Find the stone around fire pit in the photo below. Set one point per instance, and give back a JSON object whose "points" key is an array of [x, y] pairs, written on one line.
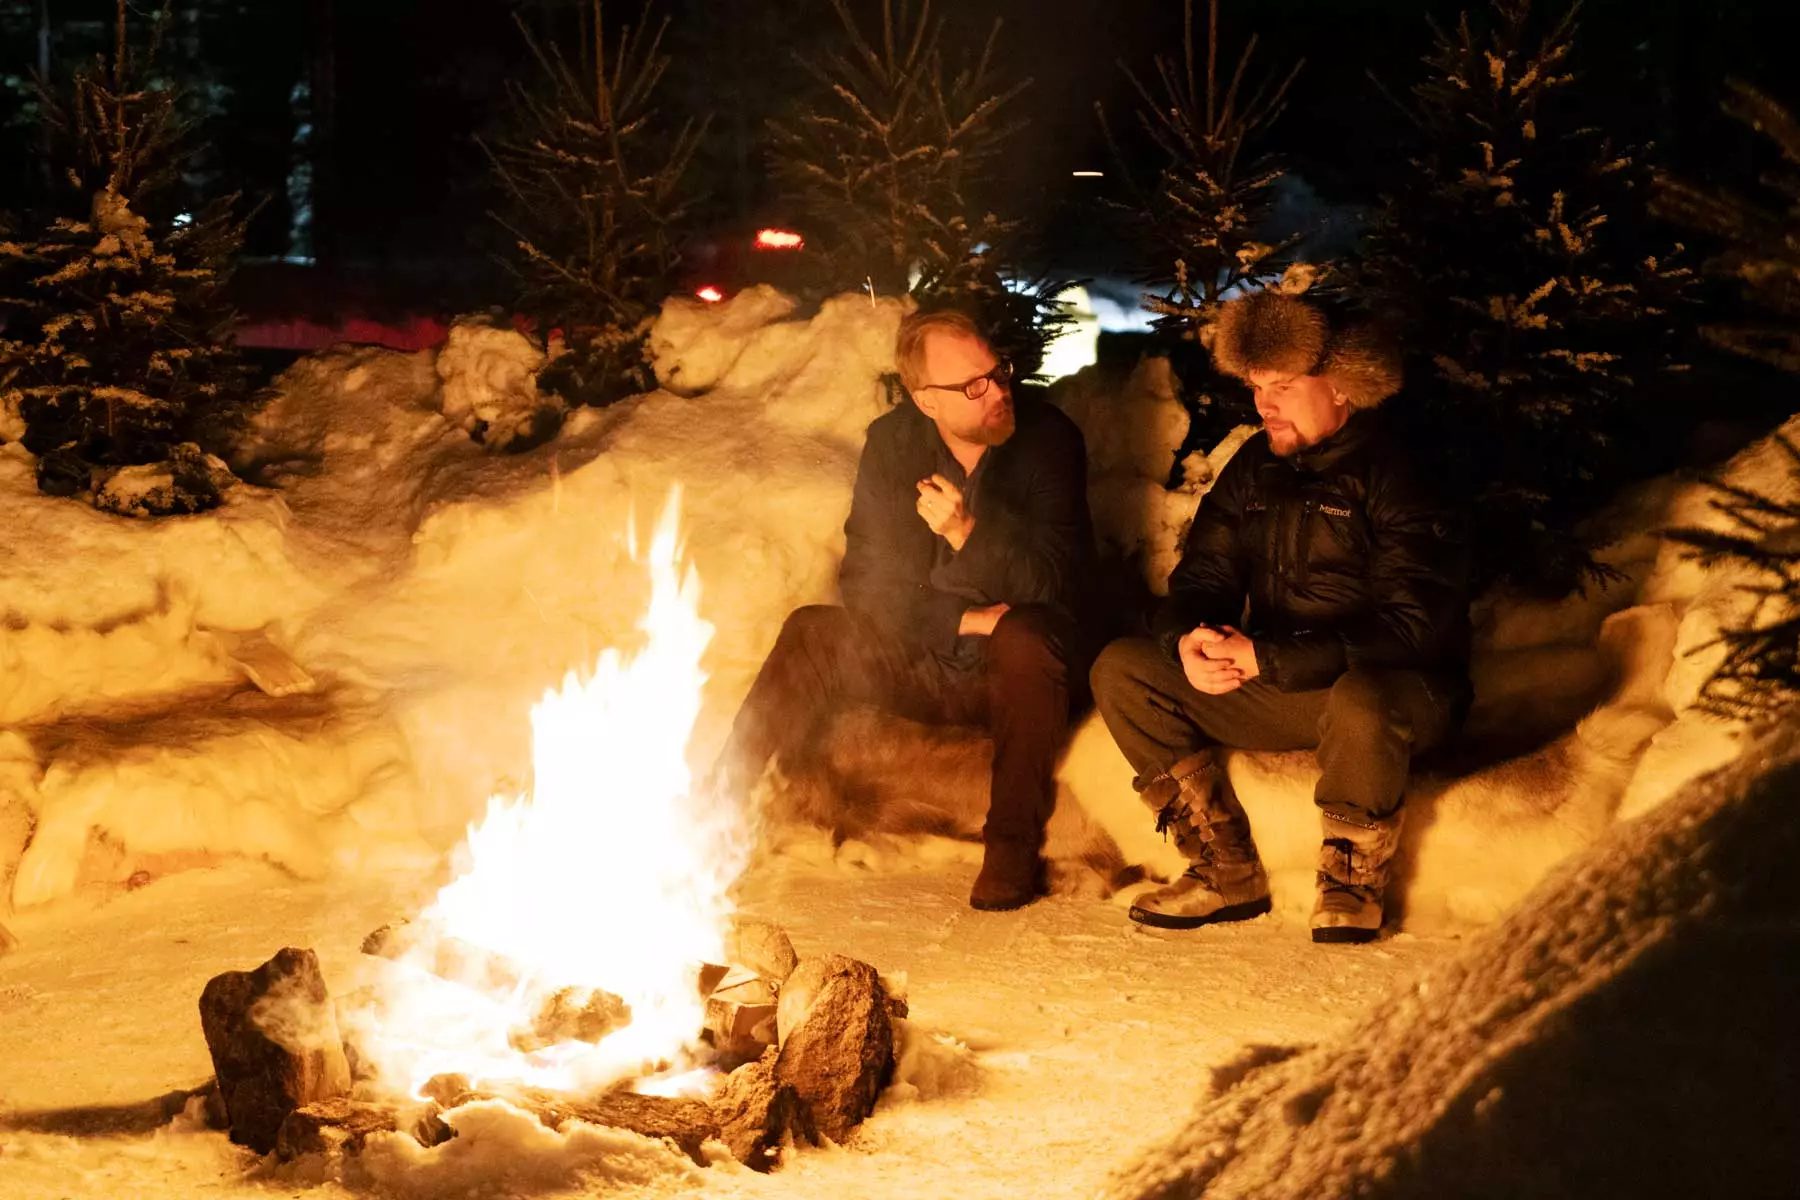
{"points": [[756, 1114], [740, 1015], [274, 1043], [837, 1041], [761, 946]]}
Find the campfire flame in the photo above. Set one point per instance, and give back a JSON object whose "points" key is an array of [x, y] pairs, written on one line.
{"points": [[610, 874]]}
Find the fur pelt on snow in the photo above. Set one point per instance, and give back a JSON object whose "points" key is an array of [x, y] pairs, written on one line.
{"points": [[1273, 331], [1482, 828]]}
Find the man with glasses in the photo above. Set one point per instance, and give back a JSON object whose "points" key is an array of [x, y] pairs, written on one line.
{"points": [[966, 551]]}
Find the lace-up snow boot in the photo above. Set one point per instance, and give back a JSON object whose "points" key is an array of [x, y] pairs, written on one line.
{"points": [[1225, 881], [1353, 871]]}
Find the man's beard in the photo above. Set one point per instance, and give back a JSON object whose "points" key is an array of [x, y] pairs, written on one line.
{"points": [[990, 433], [1286, 441]]}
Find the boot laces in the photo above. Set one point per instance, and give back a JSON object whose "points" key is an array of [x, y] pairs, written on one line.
{"points": [[1175, 810]]}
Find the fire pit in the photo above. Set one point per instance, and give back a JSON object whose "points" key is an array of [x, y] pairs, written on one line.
{"points": [[673, 1017]]}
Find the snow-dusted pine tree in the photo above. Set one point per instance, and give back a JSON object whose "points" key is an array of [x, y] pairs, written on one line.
{"points": [[596, 199], [1201, 215], [1761, 240], [1539, 311], [885, 164], [120, 346], [1760, 673]]}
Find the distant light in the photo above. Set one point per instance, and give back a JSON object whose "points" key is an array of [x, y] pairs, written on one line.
{"points": [[778, 239], [710, 294], [183, 219], [1088, 174], [1079, 344]]}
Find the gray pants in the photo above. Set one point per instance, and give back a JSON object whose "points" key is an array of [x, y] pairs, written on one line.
{"points": [[1366, 727]]}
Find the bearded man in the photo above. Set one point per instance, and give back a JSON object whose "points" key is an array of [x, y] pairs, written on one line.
{"points": [[966, 550], [1321, 601]]}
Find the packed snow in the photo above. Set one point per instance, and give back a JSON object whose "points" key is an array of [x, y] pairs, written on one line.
{"points": [[312, 690]]}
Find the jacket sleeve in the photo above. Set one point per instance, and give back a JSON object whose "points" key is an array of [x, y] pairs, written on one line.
{"points": [[1209, 585], [874, 577], [1028, 555], [1419, 578]]}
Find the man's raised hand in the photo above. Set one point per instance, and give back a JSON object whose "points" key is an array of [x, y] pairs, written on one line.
{"points": [[941, 507]]}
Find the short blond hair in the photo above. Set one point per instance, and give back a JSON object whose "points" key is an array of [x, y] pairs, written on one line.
{"points": [[909, 346]]}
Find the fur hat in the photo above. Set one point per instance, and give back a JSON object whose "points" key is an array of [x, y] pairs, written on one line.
{"points": [[1274, 331]]}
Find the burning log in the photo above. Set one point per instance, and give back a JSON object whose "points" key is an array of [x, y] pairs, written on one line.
{"points": [[837, 1041], [274, 1042], [756, 1113], [572, 1015], [686, 1123], [569, 1014], [446, 957], [343, 1125]]}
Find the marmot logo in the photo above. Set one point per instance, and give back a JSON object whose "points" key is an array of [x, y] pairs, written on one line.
{"points": [[1334, 510]]}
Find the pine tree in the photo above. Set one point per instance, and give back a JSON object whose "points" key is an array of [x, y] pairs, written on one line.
{"points": [[885, 162], [121, 346], [1760, 673], [1202, 215], [1762, 242], [1514, 256], [596, 201]]}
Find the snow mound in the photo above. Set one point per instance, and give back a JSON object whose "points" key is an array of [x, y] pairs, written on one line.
{"points": [[1627, 1031], [413, 592], [1133, 429], [490, 385]]}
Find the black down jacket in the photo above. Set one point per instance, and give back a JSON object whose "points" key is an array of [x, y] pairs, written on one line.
{"points": [[1342, 556]]}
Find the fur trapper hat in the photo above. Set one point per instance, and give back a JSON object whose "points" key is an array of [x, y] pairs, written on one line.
{"points": [[1274, 331]]}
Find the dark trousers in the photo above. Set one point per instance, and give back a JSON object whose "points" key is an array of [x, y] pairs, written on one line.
{"points": [[827, 657], [1367, 726]]}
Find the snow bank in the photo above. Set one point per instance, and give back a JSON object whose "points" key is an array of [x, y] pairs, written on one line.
{"points": [[1628, 1031], [426, 590]]}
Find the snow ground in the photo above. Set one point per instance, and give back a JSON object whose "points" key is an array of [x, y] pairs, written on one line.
{"points": [[1089, 1036]]}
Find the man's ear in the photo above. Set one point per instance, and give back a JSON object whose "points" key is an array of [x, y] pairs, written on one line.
{"points": [[926, 401]]}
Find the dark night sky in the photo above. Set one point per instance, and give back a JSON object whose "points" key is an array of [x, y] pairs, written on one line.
{"points": [[418, 80]]}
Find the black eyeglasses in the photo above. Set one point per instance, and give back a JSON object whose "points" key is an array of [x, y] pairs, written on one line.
{"points": [[977, 387]]}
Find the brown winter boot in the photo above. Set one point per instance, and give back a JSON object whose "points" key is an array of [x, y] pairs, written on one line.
{"points": [[1353, 871], [1225, 880]]}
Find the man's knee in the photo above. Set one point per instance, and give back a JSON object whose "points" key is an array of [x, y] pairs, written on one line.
{"points": [[1360, 705], [814, 625], [1031, 642], [1121, 667]]}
